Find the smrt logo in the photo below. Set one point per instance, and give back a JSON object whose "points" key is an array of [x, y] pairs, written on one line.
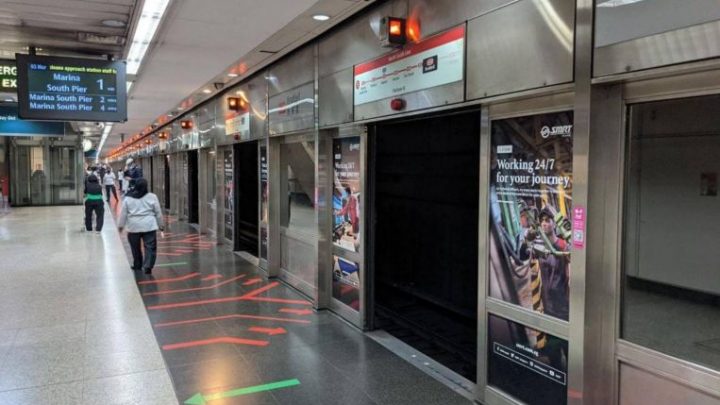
{"points": [[560, 130]]}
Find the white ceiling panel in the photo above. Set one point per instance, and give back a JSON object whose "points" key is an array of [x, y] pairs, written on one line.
{"points": [[200, 39]]}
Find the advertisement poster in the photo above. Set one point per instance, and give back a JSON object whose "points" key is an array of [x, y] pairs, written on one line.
{"points": [[433, 62], [229, 193], [517, 366], [530, 212], [346, 193], [346, 219], [346, 282], [263, 202]]}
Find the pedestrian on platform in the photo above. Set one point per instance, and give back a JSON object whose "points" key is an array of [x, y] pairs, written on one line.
{"points": [[93, 203], [142, 216], [109, 183]]}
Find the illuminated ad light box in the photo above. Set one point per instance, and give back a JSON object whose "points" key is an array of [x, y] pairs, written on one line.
{"points": [[66, 89], [8, 76], [11, 125]]}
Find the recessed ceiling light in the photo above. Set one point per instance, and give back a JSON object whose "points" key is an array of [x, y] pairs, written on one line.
{"points": [[321, 17], [9, 100], [207, 91], [232, 75], [113, 23]]}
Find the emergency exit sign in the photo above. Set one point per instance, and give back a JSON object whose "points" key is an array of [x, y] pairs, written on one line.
{"points": [[8, 76]]}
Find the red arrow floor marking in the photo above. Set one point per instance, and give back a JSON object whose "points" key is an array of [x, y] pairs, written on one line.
{"points": [[296, 311], [245, 297], [269, 331], [280, 300], [170, 280], [253, 281], [209, 287], [212, 277], [232, 316], [213, 341]]}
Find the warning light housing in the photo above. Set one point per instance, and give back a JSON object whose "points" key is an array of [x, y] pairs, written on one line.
{"points": [[392, 31], [237, 104], [186, 124]]}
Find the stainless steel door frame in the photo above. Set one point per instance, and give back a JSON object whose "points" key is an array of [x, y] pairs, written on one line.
{"points": [[278, 235], [610, 122], [539, 104], [357, 318]]}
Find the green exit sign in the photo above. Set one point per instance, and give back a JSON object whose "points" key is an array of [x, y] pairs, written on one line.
{"points": [[8, 76]]}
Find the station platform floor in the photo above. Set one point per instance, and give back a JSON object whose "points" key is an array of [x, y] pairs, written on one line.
{"points": [[80, 327]]}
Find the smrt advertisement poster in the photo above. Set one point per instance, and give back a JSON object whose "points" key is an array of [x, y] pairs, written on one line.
{"points": [[346, 218], [229, 193], [530, 207], [536, 376]]}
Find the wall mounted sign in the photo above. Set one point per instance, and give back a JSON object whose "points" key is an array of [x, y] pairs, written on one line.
{"points": [[8, 76], [433, 62], [531, 211], [11, 125], [238, 123], [67, 89], [292, 110]]}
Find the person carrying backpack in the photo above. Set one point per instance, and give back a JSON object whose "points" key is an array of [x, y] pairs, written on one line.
{"points": [[94, 203]]}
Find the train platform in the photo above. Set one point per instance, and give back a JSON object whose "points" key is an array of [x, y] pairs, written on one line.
{"points": [[206, 327]]}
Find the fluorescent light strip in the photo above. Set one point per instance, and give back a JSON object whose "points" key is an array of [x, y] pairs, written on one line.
{"points": [[105, 134], [148, 23], [617, 3]]}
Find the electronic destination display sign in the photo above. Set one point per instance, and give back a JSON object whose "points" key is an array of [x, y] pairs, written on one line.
{"points": [[70, 89]]}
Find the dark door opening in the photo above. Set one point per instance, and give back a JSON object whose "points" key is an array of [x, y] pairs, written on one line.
{"points": [[193, 177], [424, 179], [151, 175], [246, 184], [166, 176]]}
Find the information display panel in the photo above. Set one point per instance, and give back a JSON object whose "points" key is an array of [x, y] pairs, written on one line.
{"points": [[67, 89]]}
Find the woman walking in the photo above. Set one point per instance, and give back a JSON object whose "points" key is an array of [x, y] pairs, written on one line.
{"points": [[109, 182], [142, 216]]}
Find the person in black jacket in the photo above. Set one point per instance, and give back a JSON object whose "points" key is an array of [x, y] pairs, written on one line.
{"points": [[94, 203]]}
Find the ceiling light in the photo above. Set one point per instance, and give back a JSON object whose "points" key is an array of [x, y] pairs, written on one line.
{"points": [[207, 91], [321, 17], [232, 75], [113, 23], [150, 17], [9, 100], [617, 3]]}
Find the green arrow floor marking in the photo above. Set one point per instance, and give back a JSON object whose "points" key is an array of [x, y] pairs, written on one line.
{"points": [[170, 264], [200, 399]]}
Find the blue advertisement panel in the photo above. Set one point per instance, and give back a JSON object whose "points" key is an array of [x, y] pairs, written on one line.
{"points": [[11, 125]]}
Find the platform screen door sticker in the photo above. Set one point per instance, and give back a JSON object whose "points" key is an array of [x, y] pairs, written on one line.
{"points": [[229, 193], [516, 365], [346, 193], [530, 212], [346, 219]]}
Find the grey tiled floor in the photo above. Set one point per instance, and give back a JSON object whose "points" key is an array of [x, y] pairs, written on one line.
{"points": [[73, 328]]}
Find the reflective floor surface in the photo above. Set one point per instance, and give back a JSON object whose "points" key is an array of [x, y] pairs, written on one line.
{"points": [[228, 335], [73, 328]]}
